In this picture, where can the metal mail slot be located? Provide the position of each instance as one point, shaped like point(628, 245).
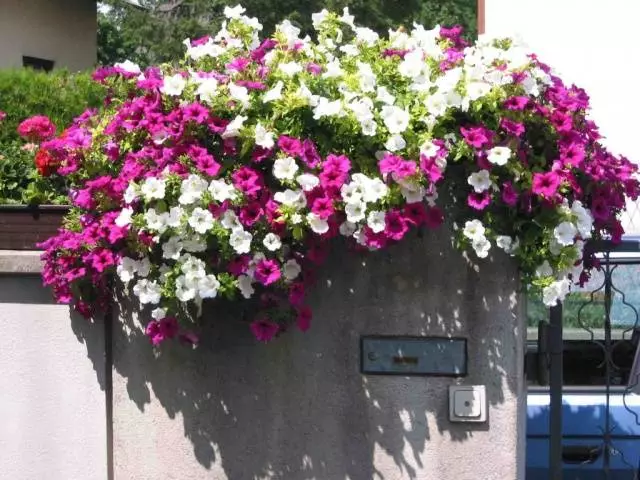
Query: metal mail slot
point(435, 356)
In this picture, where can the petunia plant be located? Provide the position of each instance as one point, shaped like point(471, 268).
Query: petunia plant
point(229, 173)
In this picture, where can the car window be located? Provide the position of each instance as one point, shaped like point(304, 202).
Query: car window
point(585, 360)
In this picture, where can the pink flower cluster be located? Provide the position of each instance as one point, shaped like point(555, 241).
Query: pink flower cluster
point(37, 129)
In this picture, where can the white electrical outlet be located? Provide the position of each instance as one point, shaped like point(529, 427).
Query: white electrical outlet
point(467, 403)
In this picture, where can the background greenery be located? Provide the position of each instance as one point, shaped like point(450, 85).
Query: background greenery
point(154, 34)
point(59, 95)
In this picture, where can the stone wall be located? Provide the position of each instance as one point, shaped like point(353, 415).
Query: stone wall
point(300, 408)
point(52, 382)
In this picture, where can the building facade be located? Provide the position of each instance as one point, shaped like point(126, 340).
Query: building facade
point(48, 34)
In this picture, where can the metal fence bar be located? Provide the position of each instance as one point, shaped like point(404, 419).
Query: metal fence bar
point(555, 391)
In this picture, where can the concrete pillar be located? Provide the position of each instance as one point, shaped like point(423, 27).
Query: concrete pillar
point(52, 381)
point(299, 408)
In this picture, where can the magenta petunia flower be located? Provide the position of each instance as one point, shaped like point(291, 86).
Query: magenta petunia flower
point(546, 184)
point(303, 320)
point(509, 195)
point(479, 201)
point(389, 163)
point(267, 272)
point(289, 145)
point(430, 168)
point(516, 103)
point(250, 214)
point(512, 127)
point(310, 155)
point(395, 225)
point(264, 329)
point(296, 294)
point(322, 207)
point(415, 213)
point(434, 217)
point(477, 137)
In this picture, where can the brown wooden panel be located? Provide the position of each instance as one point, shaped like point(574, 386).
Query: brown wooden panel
point(21, 228)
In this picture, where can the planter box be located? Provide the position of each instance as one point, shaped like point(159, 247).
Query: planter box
point(22, 226)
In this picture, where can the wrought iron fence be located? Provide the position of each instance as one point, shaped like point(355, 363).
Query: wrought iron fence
point(592, 347)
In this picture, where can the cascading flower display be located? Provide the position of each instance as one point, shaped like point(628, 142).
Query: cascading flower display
point(228, 174)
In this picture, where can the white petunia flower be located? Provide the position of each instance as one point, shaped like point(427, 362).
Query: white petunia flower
point(395, 143)
point(473, 229)
point(147, 291)
point(240, 241)
point(230, 221)
point(285, 168)
point(317, 224)
point(585, 219)
point(555, 292)
point(185, 290)
point(481, 247)
point(499, 155)
point(158, 313)
point(126, 269)
point(153, 188)
point(504, 242)
point(208, 287)
point(274, 94)
point(154, 221)
point(347, 228)
point(233, 128)
point(192, 189)
point(129, 67)
point(143, 267)
point(355, 211)
point(395, 119)
point(234, 12)
point(384, 96)
point(172, 248)
point(290, 68)
point(173, 85)
point(221, 190)
point(207, 89)
point(369, 127)
point(131, 193)
point(272, 242)
point(291, 269)
point(476, 90)
point(376, 221)
point(124, 218)
point(412, 65)
point(544, 270)
point(480, 181)
point(374, 190)
point(173, 219)
point(352, 192)
point(366, 35)
point(307, 181)
point(263, 137)
point(201, 220)
point(291, 198)
point(326, 108)
point(245, 287)
point(239, 93)
point(319, 17)
point(565, 233)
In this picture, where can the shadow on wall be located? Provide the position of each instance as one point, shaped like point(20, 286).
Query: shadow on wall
point(299, 407)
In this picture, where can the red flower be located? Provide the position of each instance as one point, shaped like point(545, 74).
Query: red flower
point(46, 164)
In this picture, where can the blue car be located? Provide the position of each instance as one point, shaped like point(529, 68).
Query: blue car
point(601, 395)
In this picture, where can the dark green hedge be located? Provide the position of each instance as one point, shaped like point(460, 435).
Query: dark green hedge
point(60, 95)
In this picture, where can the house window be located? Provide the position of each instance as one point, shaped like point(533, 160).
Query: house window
point(37, 63)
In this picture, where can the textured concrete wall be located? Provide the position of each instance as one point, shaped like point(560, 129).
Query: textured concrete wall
point(300, 409)
point(64, 31)
point(52, 403)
